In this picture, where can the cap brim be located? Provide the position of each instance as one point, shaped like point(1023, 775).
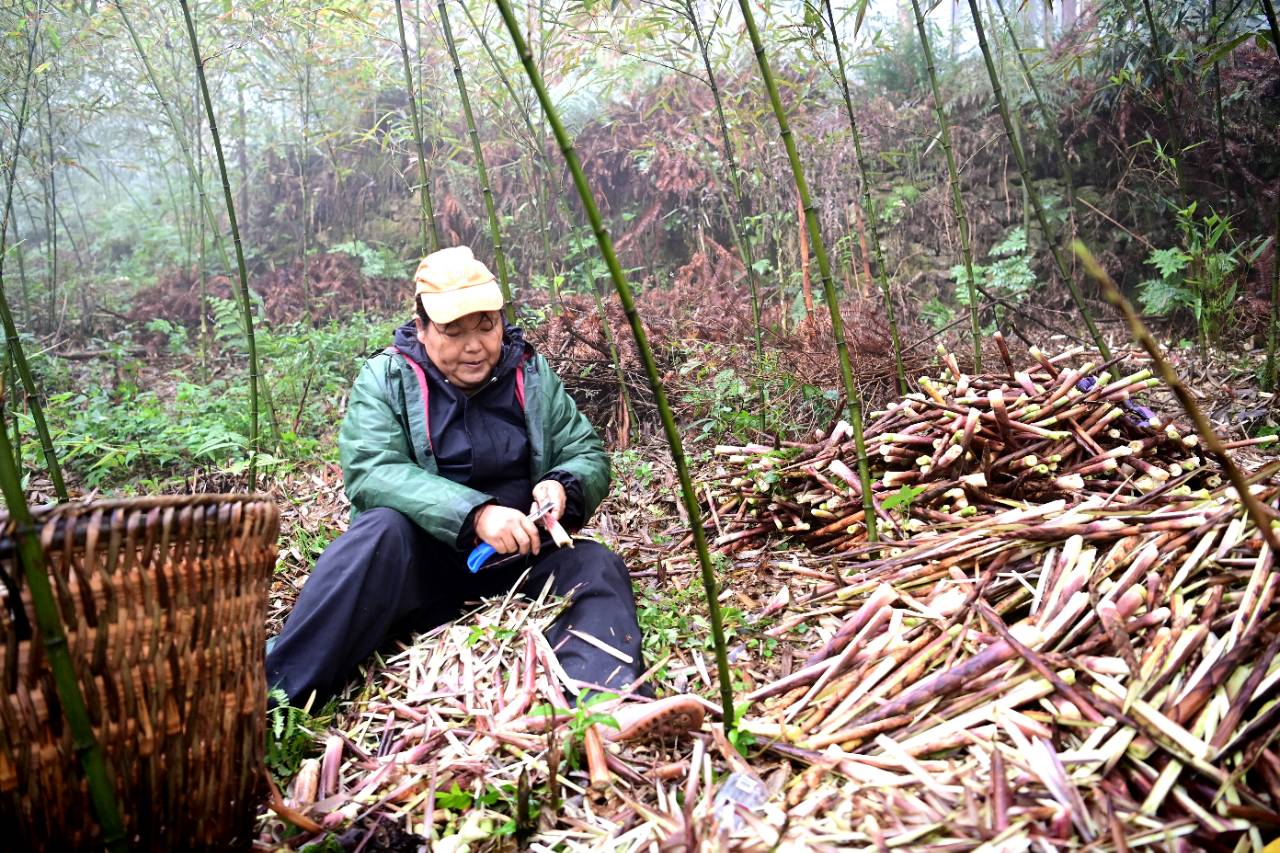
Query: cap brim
point(448, 306)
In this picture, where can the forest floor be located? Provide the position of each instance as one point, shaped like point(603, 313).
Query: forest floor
point(457, 710)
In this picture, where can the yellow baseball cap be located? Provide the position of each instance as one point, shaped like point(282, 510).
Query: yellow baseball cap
point(451, 283)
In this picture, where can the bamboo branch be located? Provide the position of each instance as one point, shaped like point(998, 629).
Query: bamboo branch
point(1033, 195)
point(1045, 116)
point(481, 172)
point(742, 245)
point(869, 209)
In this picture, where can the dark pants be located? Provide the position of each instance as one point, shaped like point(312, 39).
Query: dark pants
point(386, 577)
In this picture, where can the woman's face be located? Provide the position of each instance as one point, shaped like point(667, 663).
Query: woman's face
point(467, 350)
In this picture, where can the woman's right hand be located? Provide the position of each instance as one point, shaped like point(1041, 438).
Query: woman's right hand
point(507, 530)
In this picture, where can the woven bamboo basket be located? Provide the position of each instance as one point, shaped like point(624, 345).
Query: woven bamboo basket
point(164, 604)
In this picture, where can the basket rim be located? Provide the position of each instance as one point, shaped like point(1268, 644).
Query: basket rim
point(85, 506)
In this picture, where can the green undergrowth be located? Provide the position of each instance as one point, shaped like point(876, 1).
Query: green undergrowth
point(137, 423)
point(673, 618)
point(723, 401)
point(293, 734)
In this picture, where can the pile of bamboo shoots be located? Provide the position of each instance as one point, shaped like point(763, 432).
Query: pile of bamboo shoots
point(963, 447)
point(1053, 671)
point(1073, 638)
point(472, 724)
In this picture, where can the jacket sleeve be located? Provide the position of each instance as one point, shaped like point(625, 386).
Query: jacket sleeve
point(379, 471)
point(572, 444)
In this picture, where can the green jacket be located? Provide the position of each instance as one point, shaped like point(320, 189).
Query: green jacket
point(386, 455)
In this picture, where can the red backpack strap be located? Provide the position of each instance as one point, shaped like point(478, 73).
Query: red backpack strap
point(520, 379)
point(422, 386)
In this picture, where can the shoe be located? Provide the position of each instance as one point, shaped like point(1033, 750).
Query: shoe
point(669, 717)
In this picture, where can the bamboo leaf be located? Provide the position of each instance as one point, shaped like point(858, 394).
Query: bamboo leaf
point(1226, 47)
point(861, 15)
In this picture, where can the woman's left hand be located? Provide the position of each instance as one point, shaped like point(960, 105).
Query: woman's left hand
point(549, 490)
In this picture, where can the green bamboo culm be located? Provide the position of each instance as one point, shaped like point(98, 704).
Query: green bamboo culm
point(196, 174)
point(246, 306)
point(1256, 510)
point(429, 240)
point(736, 217)
point(537, 158)
point(102, 793)
point(1046, 117)
point(1029, 185)
point(193, 172)
point(1166, 101)
point(12, 342)
point(481, 172)
point(1274, 331)
point(853, 396)
point(1269, 10)
point(868, 209)
point(957, 201)
point(646, 354)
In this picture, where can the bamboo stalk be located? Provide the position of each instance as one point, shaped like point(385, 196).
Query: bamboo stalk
point(1175, 133)
point(1028, 182)
point(1045, 116)
point(193, 171)
point(1273, 332)
point(49, 623)
point(957, 202)
point(50, 210)
point(688, 493)
point(873, 225)
point(429, 233)
point(806, 279)
point(197, 187)
point(246, 307)
point(1204, 429)
point(303, 157)
point(482, 173)
point(13, 343)
point(852, 394)
point(735, 182)
point(1273, 329)
point(538, 157)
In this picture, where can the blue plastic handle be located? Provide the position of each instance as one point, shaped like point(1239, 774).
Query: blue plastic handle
point(482, 552)
point(479, 556)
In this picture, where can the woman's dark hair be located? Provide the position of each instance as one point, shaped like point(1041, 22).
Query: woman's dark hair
point(422, 312)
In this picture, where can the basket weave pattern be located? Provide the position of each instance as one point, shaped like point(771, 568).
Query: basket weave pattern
point(164, 604)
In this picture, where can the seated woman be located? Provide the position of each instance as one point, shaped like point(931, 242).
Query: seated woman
point(452, 436)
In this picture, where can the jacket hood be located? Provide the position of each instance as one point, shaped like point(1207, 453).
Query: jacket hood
point(514, 347)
